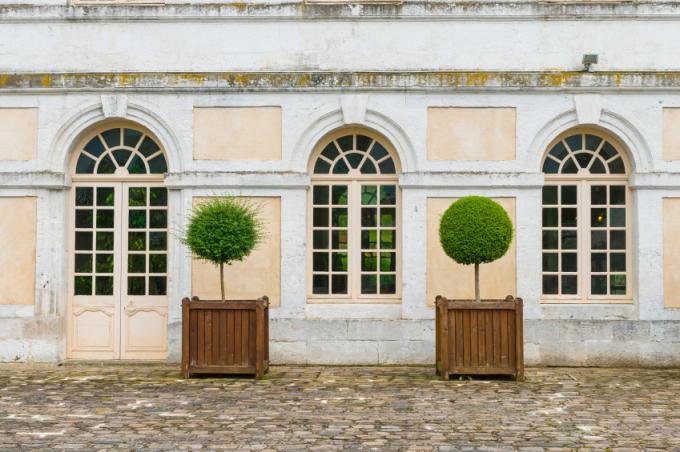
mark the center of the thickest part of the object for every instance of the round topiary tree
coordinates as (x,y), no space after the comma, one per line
(475,230)
(222,231)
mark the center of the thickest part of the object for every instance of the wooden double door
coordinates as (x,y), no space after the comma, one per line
(118,261)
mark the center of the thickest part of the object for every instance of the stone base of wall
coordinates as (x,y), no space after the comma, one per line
(32,339)
(605,343)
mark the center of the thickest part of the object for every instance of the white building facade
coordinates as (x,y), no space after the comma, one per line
(353,126)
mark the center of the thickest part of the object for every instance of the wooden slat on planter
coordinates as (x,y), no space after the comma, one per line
(230,337)
(482,338)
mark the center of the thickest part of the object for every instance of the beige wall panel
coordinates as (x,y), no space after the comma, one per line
(671,252)
(447,278)
(470,133)
(258,274)
(17,250)
(237,133)
(18,133)
(671,134)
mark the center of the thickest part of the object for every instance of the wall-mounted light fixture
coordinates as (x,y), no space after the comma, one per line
(588,60)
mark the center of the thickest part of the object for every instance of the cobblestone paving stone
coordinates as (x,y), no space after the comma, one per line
(339,408)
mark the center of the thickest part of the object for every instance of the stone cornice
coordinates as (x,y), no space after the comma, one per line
(453,81)
(380,10)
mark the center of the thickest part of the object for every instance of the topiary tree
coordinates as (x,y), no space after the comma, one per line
(222,231)
(475,230)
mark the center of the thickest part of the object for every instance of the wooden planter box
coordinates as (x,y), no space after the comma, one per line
(225,338)
(485,338)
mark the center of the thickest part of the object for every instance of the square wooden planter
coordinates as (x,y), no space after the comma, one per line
(229,337)
(485,338)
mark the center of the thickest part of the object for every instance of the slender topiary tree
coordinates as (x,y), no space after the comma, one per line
(475,230)
(222,231)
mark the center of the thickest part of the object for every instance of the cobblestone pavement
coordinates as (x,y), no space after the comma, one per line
(340,408)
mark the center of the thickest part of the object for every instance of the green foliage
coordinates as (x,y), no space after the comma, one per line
(475,230)
(223,230)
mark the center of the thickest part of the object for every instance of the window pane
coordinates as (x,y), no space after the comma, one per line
(369,284)
(136,263)
(82,285)
(549,216)
(569,285)
(388,194)
(388,217)
(387,166)
(339,284)
(106,165)
(617,262)
(549,240)
(321,167)
(104,263)
(550,194)
(618,217)
(83,241)
(320,194)
(569,262)
(340,263)
(105,196)
(598,194)
(320,240)
(148,147)
(549,262)
(369,217)
(85,165)
(84,196)
(339,240)
(340,194)
(369,239)
(320,284)
(550,166)
(83,218)
(618,240)
(340,167)
(569,240)
(320,217)
(158,241)
(354,159)
(568,217)
(136,241)
(158,196)
(339,217)
(157,285)
(388,240)
(598,240)
(388,284)
(104,241)
(617,284)
(158,219)
(330,151)
(158,263)
(83,263)
(598,284)
(388,262)
(617,195)
(103,285)
(136,166)
(568,194)
(137,196)
(320,262)
(598,217)
(369,194)
(550,284)
(616,166)
(575,142)
(136,285)
(137,219)
(105,218)
(369,262)
(157,165)
(598,262)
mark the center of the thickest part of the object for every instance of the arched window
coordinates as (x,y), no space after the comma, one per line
(586,231)
(354,219)
(121,151)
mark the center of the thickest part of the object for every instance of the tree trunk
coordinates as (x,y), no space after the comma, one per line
(477,298)
(222,281)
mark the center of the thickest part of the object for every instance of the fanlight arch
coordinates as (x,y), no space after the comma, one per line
(119,150)
(585,153)
(354,153)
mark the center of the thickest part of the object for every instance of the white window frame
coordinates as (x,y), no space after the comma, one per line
(354,181)
(584,180)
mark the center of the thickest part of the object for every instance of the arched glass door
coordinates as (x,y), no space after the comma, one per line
(118,247)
